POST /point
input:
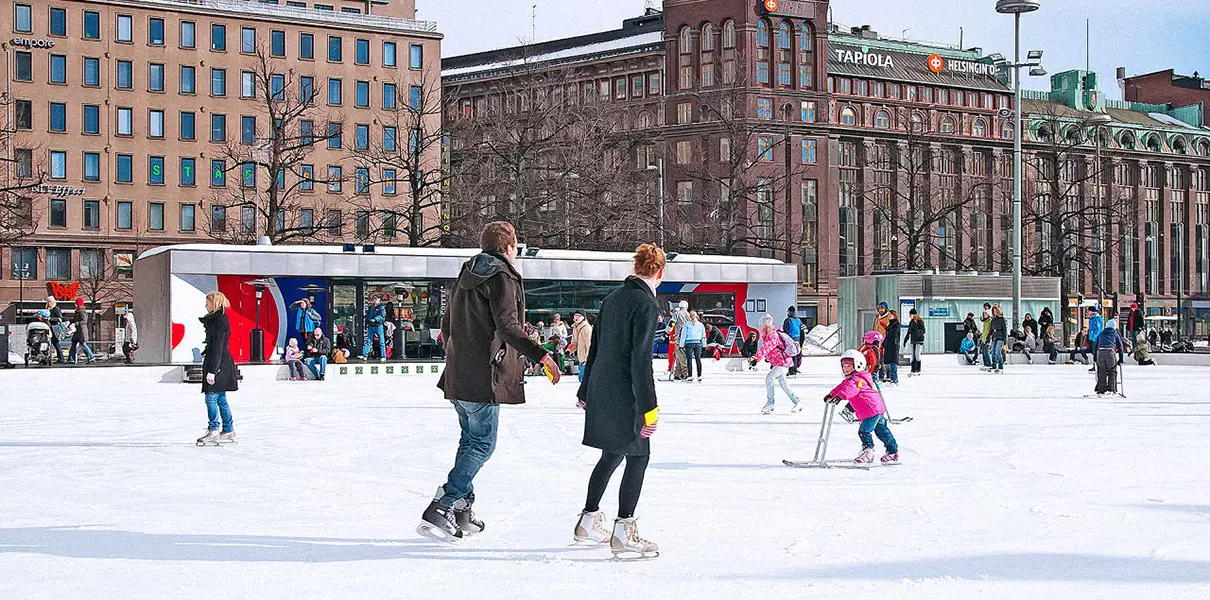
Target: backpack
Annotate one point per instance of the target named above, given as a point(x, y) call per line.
point(793, 328)
point(789, 345)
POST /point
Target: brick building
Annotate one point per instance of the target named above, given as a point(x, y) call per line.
point(126, 109)
point(1166, 87)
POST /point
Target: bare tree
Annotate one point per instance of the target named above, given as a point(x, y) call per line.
point(20, 179)
point(109, 281)
point(272, 168)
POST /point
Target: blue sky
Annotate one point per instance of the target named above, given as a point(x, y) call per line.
point(1141, 36)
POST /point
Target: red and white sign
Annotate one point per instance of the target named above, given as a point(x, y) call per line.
point(935, 63)
point(771, 5)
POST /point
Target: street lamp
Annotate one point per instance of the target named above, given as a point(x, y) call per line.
point(658, 167)
point(22, 276)
point(1098, 122)
point(1017, 8)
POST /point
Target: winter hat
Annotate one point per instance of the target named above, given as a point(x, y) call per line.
point(884, 305)
point(51, 299)
point(912, 312)
point(766, 320)
point(79, 302)
point(1134, 305)
point(684, 304)
point(293, 342)
point(792, 310)
point(1111, 324)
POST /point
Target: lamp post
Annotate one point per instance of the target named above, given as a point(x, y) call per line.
point(658, 167)
point(1099, 122)
point(1017, 8)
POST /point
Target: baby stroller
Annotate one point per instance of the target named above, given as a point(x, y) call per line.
point(37, 344)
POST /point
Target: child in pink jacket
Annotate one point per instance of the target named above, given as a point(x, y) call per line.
point(859, 390)
point(773, 349)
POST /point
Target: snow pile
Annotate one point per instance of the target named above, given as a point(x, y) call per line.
point(823, 340)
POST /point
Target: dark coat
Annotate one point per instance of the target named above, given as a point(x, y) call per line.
point(322, 346)
point(890, 346)
point(750, 347)
point(969, 326)
point(915, 332)
point(999, 330)
point(375, 316)
point(484, 341)
point(216, 357)
point(1031, 324)
point(80, 320)
point(1045, 320)
point(619, 387)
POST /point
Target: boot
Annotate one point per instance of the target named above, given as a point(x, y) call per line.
point(226, 438)
point(440, 523)
point(210, 439)
point(626, 542)
point(768, 409)
point(591, 528)
point(866, 456)
point(467, 521)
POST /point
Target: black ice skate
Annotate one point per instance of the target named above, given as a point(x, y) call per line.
point(439, 523)
point(467, 521)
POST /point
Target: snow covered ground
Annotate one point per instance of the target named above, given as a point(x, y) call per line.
point(1013, 486)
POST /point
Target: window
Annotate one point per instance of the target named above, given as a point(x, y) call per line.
point(155, 127)
point(306, 46)
point(218, 173)
point(155, 216)
point(334, 91)
point(25, 114)
point(783, 74)
point(58, 164)
point(125, 168)
point(58, 212)
point(25, 263)
point(653, 84)
point(306, 132)
point(125, 216)
point(188, 130)
point(762, 34)
point(335, 48)
point(764, 108)
point(155, 77)
point(636, 86)
point(277, 43)
point(333, 222)
point(218, 37)
point(92, 264)
point(334, 135)
point(92, 26)
point(58, 68)
point(729, 34)
point(306, 220)
point(362, 94)
point(335, 178)
point(783, 35)
point(24, 67)
point(247, 40)
point(58, 264)
point(809, 149)
point(24, 158)
point(947, 124)
point(415, 56)
point(155, 31)
point(92, 214)
point(979, 128)
point(388, 182)
point(806, 76)
point(361, 136)
point(188, 34)
point(684, 113)
point(724, 149)
point(388, 54)
point(155, 170)
point(707, 36)
point(92, 72)
point(247, 175)
point(247, 129)
point(764, 148)
point(125, 75)
point(58, 117)
point(58, 21)
point(277, 86)
point(125, 121)
point(808, 111)
point(218, 82)
point(389, 93)
point(684, 192)
point(762, 72)
point(92, 166)
point(848, 116)
point(1006, 131)
point(882, 119)
point(362, 180)
point(388, 138)
point(684, 152)
point(247, 218)
point(416, 97)
point(188, 80)
point(306, 89)
point(306, 175)
point(247, 84)
point(361, 52)
point(188, 218)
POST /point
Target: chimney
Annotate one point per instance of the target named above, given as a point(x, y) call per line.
point(1121, 73)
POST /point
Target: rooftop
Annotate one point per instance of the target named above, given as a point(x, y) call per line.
point(318, 17)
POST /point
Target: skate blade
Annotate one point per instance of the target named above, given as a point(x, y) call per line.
point(204, 444)
point(434, 532)
point(578, 542)
point(628, 556)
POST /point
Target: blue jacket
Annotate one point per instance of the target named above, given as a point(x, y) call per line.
point(968, 345)
point(1110, 339)
point(306, 321)
point(695, 333)
point(1095, 326)
point(376, 316)
point(793, 328)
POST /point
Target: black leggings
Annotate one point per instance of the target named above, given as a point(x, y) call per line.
point(632, 482)
point(693, 354)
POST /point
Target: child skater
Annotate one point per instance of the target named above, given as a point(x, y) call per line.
point(872, 350)
point(859, 390)
point(293, 358)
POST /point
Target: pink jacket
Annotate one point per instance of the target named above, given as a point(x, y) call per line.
point(772, 349)
point(860, 391)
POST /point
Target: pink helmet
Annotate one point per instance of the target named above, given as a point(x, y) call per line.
point(873, 337)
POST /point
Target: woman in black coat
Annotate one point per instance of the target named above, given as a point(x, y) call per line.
point(1045, 320)
point(218, 368)
point(890, 349)
point(618, 396)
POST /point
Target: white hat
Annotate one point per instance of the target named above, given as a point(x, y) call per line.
point(683, 304)
point(51, 299)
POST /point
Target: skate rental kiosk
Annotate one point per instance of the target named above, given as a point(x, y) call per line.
point(942, 299)
point(265, 283)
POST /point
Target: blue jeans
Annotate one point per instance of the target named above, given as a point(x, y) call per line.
point(892, 371)
point(216, 406)
point(479, 423)
point(322, 361)
point(382, 341)
point(778, 375)
point(71, 355)
point(998, 354)
point(877, 425)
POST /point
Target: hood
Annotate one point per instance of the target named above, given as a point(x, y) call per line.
point(482, 267)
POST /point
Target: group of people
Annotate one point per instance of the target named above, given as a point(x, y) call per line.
point(76, 329)
point(568, 346)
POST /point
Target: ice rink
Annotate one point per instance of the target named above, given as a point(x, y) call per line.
point(1013, 486)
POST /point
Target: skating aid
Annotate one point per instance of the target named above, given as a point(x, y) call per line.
point(821, 448)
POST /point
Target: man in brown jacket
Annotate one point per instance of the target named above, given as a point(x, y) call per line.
point(484, 368)
point(581, 340)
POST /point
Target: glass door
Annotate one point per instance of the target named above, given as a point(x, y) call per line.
point(346, 317)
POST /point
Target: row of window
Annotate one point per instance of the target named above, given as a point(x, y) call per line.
point(633, 87)
point(706, 35)
point(123, 32)
point(918, 123)
point(918, 93)
point(24, 264)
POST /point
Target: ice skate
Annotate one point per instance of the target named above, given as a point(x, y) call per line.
point(226, 438)
point(467, 521)
point(849, 415)
point(626, 543)
point(210, 439)
point(767, 410)
point(439, 523)
point(890, 458)
point(866, 457)
point(797, 408)
point(590, 529)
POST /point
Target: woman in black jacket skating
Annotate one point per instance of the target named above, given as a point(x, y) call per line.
point(998, 334)
point(890, 349)
point(915, 336)
point(218, 368)
point(618, 396)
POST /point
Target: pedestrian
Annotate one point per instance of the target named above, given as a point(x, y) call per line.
point(775, 348)
point(890, 348)
point(1110, 352)
point(374, 318)
point(695, 337)
point(318, 348)
point(1029, 343)
point(484, 368)
point(56, 328)
point(306, 318)
point(986, 323)
point(682, 320)
point(559, 328)
point(998, 333)
point(793, 328)
point(220, 376)
point(915, 336)
point(1095, 325)
point(79, 339)
point(861, 393)
point(1134, 322)
point(749, 349)
point(882, 319)
point(581, 340)
point(130, 345)
point(621, 411)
